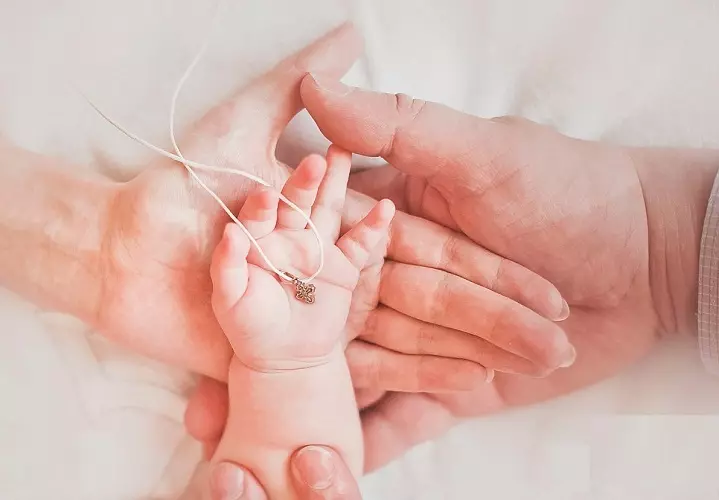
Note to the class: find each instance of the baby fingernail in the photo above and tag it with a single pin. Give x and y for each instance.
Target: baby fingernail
(314, 467)
(227, 482)
(331, 86)
(570, 357)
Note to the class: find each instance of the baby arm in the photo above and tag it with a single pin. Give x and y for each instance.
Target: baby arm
(289, 383)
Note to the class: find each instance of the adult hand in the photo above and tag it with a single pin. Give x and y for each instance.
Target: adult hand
(163, 228)
(318, 473)
(617, 231)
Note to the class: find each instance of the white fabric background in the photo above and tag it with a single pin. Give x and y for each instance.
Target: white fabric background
(81, 419)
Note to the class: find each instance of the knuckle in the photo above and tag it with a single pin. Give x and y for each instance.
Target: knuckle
(425, 340)
(408, 107)
(415, 194)
(408, 110)
(440, 298)
(450, 253)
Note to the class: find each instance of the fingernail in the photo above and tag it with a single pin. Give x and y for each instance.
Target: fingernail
(330, 85)
(565, 311)
(314, 467)
(227, 482)
(570, 357)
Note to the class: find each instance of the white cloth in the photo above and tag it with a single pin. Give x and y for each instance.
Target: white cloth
(83, 420)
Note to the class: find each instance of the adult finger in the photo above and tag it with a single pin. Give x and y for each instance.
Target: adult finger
(206, 413)
(374, 367)
(319, 473)
(230, 481)
(398, 332)
(367, 397)
(301, 189)
(417, 241)
(444, 299)
(420, 138)
(385, 428)
(386, 433)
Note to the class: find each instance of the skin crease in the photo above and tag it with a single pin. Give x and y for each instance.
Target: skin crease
(617, 229)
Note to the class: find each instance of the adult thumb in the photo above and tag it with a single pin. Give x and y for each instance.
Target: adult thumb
(418, 137)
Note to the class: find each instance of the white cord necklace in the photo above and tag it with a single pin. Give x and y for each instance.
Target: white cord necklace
(304, 291)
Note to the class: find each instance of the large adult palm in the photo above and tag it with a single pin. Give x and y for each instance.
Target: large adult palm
(616, 229)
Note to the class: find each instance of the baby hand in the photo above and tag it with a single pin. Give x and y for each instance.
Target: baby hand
(269, 327)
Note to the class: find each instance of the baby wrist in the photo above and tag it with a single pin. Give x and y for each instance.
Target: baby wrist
(279, 366)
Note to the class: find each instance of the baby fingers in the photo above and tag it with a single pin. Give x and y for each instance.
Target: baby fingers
(259, 213)
(327, 212)
(229, 268)
(359, 242)
(301, 189)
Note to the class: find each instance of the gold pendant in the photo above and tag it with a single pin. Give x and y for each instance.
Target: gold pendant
(303, 291)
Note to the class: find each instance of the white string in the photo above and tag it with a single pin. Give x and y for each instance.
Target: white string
(192, 165)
